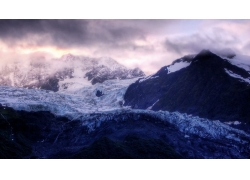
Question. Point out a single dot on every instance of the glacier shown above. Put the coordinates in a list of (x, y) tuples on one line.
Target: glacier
[(187, 124), (67, 102), (83, 104)]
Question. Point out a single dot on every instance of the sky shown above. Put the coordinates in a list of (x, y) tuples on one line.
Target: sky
[(147, 44)]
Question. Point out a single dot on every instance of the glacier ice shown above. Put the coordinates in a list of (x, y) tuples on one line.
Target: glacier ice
[(76, 99), (82, 104)]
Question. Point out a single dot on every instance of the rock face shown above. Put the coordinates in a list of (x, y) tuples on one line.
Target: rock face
[(99, 93), (205, 85), (62, 73)]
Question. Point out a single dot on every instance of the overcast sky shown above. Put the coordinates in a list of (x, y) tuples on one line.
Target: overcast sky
[(147, 44)]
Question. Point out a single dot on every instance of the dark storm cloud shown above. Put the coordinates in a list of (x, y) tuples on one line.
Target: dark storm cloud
[(126, 33), (216, 40), (68, 33), (80, 33), (18, 28), (58, 32)]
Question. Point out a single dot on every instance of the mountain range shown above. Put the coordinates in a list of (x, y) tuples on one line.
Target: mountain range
[(81, 107)]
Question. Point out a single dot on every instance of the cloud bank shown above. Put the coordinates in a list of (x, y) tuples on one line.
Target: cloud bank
[(148, 44)]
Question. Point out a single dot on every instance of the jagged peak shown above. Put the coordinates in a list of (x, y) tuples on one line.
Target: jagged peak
[(137, 71), (225, 53), (205, 53), (109, 62)]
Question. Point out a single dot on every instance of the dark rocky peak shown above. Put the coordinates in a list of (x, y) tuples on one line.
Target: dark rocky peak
[(137, 72), (215, 63), (205, 55)]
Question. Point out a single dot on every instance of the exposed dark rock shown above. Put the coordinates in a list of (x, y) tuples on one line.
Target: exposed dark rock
[(99, 93), (100, 74)]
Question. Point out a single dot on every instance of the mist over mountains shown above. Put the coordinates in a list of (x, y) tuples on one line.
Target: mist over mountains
[(60, 73)]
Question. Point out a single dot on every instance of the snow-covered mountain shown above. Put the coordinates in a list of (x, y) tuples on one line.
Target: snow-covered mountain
[(206, 84), (67, 72)]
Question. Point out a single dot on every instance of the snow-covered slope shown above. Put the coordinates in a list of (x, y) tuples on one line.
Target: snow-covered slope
[(234, 75), (239, 60), (177, 66), (173, 67), (67, 72)]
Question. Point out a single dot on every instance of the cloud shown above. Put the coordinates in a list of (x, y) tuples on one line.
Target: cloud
[(75, 33), (216, 39), (59, 33), (148, 44), (67, 33), (246, 47)]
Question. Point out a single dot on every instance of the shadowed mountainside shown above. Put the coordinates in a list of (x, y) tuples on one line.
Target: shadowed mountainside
[(204, 88)]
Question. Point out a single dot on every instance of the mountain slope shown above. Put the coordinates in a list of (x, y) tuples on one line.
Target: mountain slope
[(206, 85), (121, 134)]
